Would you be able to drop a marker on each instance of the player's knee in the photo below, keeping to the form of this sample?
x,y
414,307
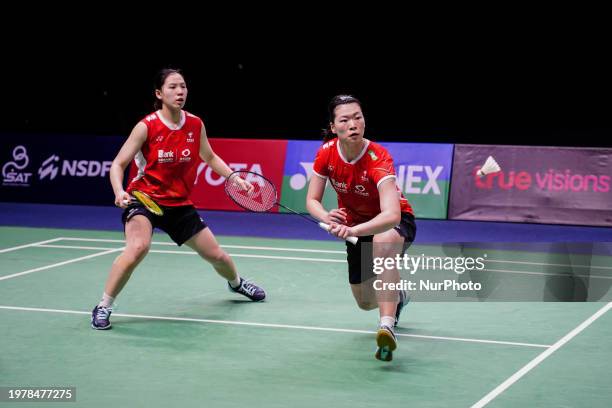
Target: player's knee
x,y
138,249
385,249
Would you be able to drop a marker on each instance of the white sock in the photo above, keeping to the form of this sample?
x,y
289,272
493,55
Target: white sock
x,y
236,282
107,301
388,321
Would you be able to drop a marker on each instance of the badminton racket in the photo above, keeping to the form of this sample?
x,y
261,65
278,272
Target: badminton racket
x,y
147,201
263,197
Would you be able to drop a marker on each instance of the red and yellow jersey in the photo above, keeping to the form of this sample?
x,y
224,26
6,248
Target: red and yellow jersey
x,y
357,182
168,160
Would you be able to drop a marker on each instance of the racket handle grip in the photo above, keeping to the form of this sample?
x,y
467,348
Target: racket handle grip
x,y
326,227
126,202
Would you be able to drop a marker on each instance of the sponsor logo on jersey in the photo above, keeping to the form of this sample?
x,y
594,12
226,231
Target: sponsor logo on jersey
x,y
190,138
164,156
361,190
364,176
372,155
185,155
339,186
12,174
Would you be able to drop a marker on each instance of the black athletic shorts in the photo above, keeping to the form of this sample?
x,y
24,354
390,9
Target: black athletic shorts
x,y
180,223
406,228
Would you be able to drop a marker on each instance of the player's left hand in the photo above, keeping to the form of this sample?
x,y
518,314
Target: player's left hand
x,y
341,231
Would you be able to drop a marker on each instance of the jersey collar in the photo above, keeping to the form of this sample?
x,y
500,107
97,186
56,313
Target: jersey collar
x,y
171,125
359,156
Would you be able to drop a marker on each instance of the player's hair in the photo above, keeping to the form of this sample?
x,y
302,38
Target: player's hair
x,y
160,78
331,110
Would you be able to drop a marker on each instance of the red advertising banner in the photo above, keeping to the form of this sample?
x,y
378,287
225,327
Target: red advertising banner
x,y
556,185
266,157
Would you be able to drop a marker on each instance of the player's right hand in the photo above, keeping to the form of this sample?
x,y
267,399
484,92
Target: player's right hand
x,y
337,215
341,231
121,198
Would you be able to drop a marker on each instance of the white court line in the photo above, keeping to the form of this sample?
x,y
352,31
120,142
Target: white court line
x,y
162,251
272,325
42,268
76,247
325,251
320,251
563,275
286,258
549,264
520,373
29,245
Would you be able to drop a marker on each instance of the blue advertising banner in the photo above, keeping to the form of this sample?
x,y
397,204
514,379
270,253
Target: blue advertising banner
x,y
298,172
61,169
423,175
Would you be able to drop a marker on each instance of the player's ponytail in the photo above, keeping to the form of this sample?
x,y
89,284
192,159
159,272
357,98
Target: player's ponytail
x,y
331,110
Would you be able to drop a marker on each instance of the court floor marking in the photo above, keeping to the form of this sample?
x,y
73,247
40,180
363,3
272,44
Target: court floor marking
x,y
326,252
563,275
162,251
42,268
265,248
533,363
29,245
273,325
548,264
290,258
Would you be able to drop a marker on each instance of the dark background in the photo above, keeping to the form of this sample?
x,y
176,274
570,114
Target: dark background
x,y
539,92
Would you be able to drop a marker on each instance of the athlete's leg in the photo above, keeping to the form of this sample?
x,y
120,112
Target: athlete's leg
x,y
388,244
206,245
365,295
138,230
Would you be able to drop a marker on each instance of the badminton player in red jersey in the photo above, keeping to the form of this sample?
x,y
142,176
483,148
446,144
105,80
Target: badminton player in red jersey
x,y
166,146
370,206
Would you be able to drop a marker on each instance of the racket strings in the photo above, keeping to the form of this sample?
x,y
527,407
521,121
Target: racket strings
x,y
262,198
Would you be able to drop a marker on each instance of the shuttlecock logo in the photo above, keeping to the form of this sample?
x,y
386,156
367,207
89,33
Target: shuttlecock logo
x,y
489,167
298,181
49,168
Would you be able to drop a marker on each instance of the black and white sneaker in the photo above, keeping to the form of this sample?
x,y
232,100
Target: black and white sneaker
x,y
249,289
386,342
100,318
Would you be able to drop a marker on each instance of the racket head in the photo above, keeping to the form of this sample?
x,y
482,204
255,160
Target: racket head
x,y
148,202
262,198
